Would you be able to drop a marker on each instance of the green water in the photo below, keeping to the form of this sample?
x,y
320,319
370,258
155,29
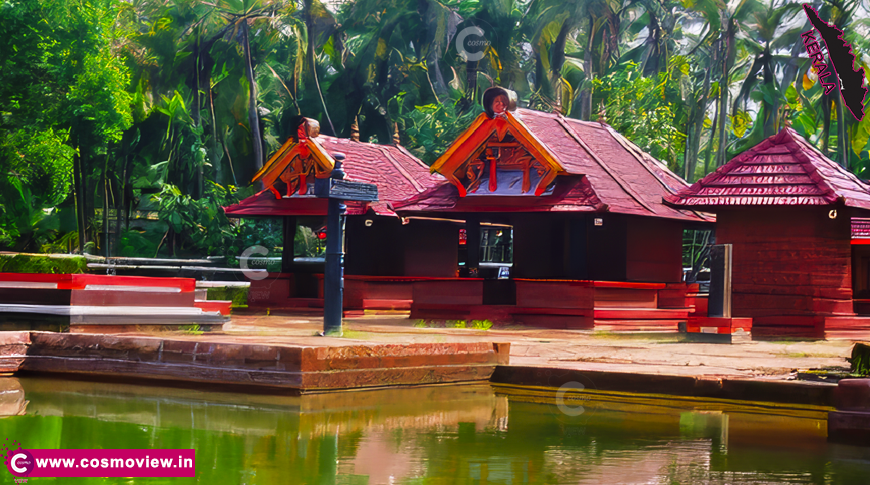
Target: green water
x,y
437,435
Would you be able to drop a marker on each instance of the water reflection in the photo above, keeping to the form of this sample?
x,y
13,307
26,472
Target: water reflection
x,y
434,435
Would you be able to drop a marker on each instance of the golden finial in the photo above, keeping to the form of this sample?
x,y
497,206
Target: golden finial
x,y
354,129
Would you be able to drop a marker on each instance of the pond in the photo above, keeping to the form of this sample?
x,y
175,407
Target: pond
x,y
460,434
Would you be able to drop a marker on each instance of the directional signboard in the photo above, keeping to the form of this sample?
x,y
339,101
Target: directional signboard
x,y
345,190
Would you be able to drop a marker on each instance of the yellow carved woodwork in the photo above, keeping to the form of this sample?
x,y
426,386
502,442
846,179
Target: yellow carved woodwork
x,y
518,147
293,163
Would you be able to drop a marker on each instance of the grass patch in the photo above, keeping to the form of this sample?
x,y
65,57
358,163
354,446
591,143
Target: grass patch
x,y
43,263
191,329
860,359
237,294
472,324
354,334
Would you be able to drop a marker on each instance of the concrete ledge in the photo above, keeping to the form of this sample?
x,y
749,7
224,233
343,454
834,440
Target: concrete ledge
x,y
316,364
787,392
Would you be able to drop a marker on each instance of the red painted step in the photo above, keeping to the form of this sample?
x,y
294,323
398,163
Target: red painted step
x,y
94,282
222,306
638,325
642,313
384,304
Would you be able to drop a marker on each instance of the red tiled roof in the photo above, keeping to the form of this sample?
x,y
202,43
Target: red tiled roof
x,y
571,194
398,175
618,176
782,170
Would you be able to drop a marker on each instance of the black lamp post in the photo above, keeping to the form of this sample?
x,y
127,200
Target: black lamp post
x,y
337,190
333,278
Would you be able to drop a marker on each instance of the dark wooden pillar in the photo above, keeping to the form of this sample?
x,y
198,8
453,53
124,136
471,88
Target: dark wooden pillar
x,y
472,232
289,246
577,248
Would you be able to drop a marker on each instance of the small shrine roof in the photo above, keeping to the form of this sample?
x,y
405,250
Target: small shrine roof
x,y
398,175
783,170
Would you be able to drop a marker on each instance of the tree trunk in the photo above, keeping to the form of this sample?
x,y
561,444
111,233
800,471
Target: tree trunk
x,y
696,130
471,80
105,178
826,122
215,138
712,138
120,204
253,116
197,118
79,183
842,134
790,72
557,60
722,154
770,109
586,108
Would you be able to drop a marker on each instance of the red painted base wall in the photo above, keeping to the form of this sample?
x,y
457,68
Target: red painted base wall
x,y
788,262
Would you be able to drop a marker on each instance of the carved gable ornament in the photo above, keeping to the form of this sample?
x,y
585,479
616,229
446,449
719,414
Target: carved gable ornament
x,y
498,154
298,162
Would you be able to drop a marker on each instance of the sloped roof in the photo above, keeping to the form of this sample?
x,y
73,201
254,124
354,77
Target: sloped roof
x,y
618,176
398,175
570,194
783,170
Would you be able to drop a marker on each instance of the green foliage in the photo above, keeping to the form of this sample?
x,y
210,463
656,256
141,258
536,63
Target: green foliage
x,y
191,329
199,226
237,294
473,324
306,244
645,110
860,359
62,93
37,263
41,161
432,128
135,244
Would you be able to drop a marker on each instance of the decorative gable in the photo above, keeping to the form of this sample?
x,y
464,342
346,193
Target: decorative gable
x,y
297,163
499,155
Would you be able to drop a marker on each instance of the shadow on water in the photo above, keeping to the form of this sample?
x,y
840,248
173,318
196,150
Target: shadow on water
x,y
460,434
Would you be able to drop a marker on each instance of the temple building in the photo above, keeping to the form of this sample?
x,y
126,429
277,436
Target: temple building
x,y
797,222
382,249
527,217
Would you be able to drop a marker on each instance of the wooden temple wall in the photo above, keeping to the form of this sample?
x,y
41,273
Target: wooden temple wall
x,y
790,265
654,250
430,248
539,246
621,248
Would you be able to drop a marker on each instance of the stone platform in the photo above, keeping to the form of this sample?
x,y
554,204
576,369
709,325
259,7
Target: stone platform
x,y
308,364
